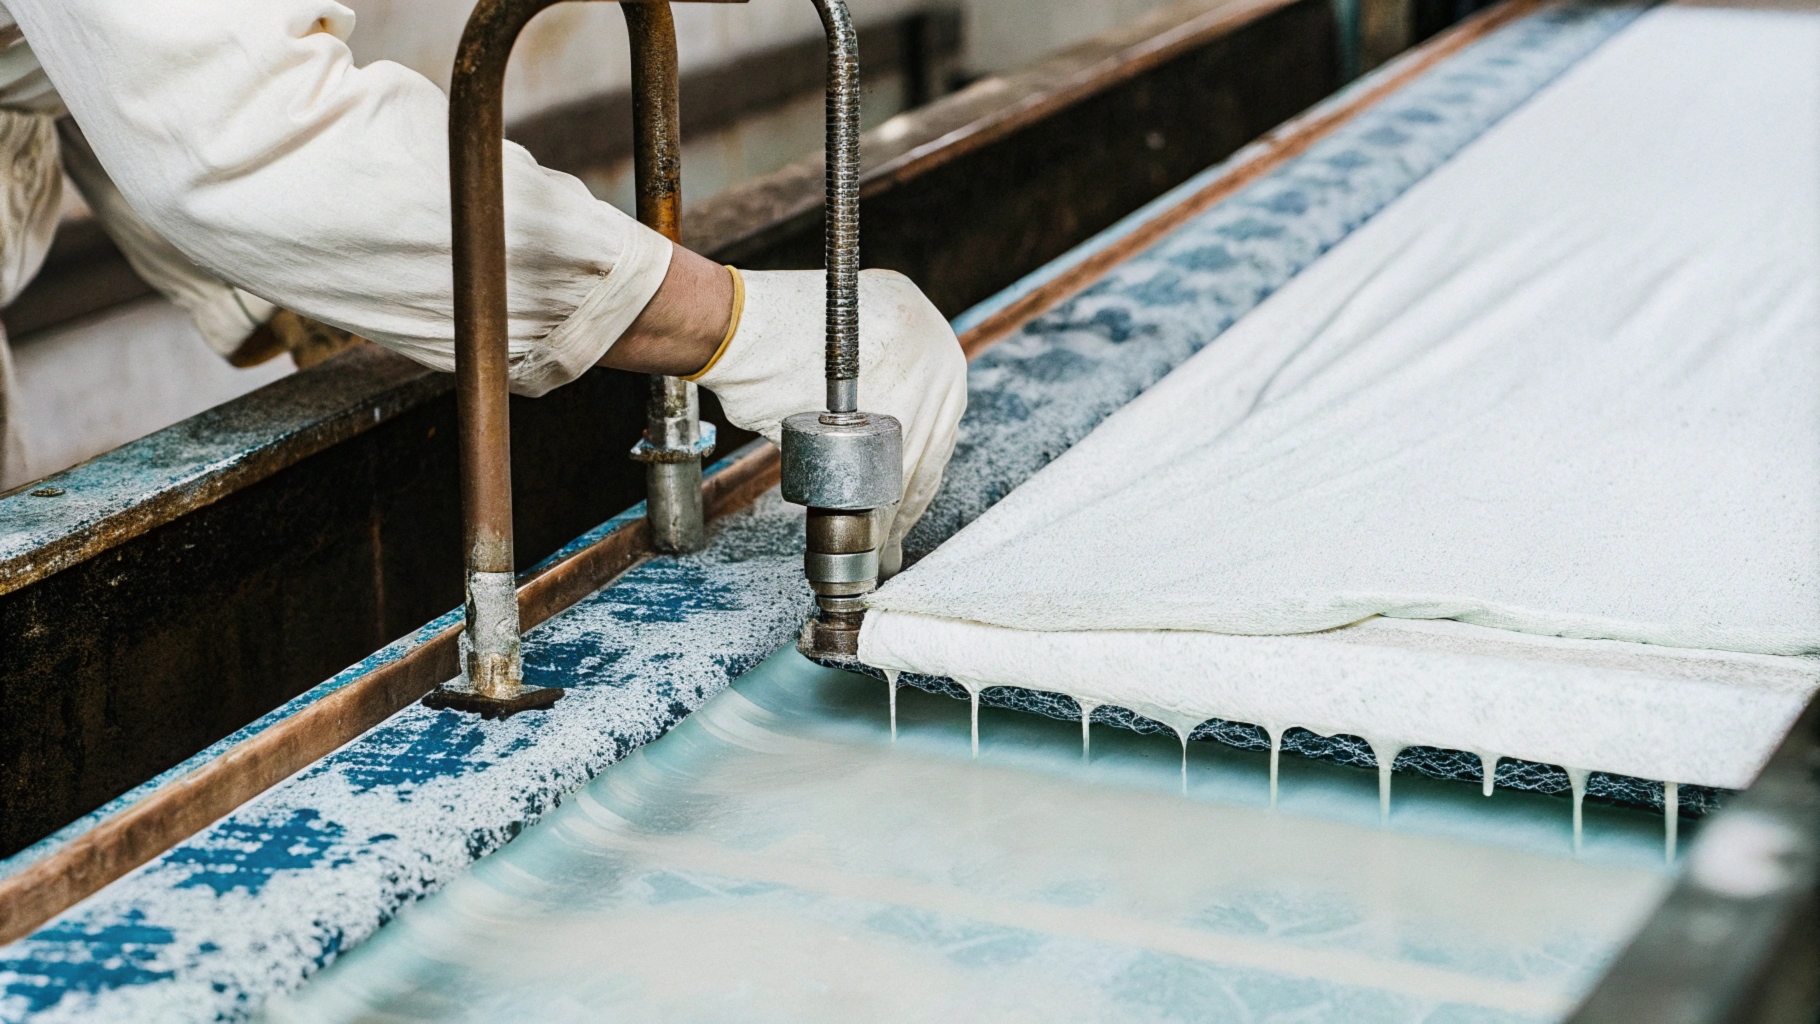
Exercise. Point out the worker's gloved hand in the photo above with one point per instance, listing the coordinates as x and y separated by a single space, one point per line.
911 367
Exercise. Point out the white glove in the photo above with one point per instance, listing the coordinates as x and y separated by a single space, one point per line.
911 366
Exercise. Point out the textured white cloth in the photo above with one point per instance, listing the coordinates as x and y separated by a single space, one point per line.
31 186
241 131
223 314
1568 384
911 367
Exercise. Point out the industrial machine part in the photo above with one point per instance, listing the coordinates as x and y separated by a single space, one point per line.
676 441
492 677
844 464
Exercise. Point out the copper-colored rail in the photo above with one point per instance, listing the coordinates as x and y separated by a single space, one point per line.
182 808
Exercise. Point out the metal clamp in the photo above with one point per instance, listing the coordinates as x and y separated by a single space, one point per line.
492 680
645 451
843 464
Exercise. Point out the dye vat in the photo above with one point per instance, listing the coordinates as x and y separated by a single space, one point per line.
780 857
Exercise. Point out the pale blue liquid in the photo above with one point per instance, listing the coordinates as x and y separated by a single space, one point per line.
778 858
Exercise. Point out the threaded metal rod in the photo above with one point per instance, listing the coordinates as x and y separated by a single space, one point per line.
841 232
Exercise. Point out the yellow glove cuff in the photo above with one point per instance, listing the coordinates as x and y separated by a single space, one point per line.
739 307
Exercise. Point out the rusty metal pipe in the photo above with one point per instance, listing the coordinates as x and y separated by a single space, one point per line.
493 674
675 441
493 683
477 187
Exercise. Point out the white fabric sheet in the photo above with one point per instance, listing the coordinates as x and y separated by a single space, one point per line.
1567 385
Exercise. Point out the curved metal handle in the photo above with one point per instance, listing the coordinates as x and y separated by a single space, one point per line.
841 206
477 197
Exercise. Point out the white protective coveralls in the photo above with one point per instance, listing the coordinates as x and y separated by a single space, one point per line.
242 132
34 133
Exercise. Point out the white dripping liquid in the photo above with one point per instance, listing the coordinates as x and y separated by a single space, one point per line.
1576 777
1488 766
1183 725
973 699
1184 738
1671 818
891 685
1087 707
1386 753
1276 747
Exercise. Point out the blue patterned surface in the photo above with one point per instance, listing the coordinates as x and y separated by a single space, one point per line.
276 890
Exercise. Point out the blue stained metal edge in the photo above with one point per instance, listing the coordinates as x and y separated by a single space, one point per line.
1200 181
184 460
269 894
391 652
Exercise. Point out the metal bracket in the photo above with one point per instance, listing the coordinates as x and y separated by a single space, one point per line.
492 683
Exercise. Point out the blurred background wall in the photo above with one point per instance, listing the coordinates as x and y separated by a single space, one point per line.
751 70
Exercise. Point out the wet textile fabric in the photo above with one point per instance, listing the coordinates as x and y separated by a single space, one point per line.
1563 387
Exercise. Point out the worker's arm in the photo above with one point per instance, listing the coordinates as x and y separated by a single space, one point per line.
242 132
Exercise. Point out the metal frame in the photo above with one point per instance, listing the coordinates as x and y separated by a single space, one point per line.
492 679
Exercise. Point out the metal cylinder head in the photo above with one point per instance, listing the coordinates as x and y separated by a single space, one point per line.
851 466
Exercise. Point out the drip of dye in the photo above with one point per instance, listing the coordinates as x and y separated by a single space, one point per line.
1671 818
891 684
1276 748
973 699
1488 767
1183 736
1386 754
1577 778
1087 707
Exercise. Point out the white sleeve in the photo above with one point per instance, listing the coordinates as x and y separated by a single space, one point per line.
243 132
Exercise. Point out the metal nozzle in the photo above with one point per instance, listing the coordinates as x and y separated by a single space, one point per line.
843 463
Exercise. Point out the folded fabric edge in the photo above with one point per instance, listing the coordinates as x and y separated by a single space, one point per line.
1711 721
